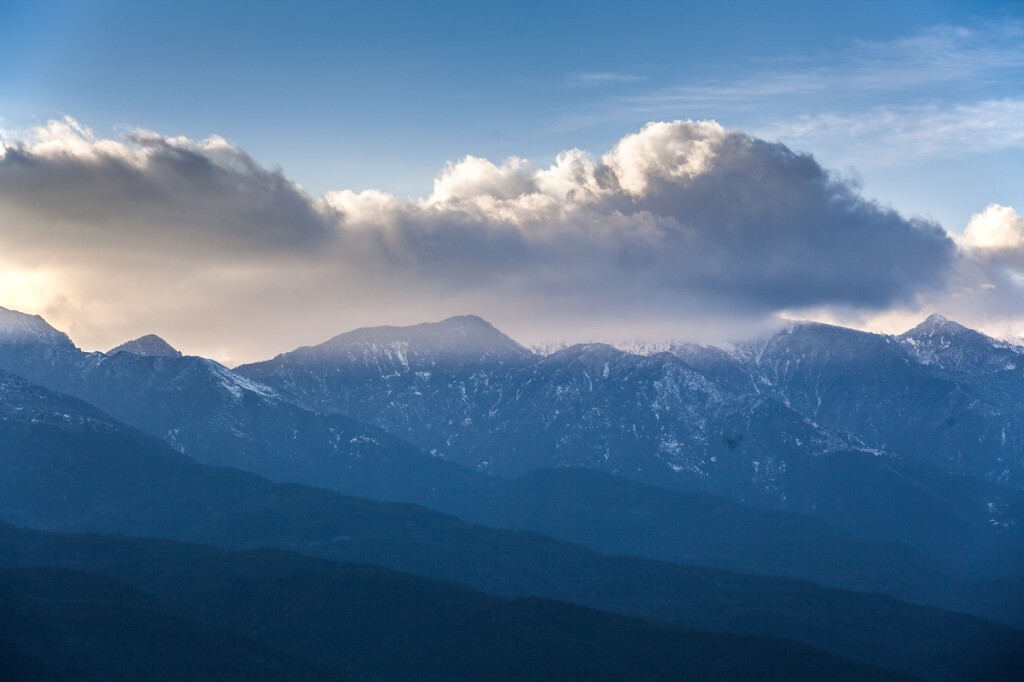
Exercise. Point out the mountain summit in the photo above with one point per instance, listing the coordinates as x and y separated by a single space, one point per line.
462 341
937 324
462 338
19 328
149 345
946 344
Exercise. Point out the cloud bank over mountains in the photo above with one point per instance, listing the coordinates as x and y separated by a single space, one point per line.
683 228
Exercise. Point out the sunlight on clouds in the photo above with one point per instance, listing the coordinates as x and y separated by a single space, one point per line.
573 178
997 228
680 225
664 150
367 208
69 138
986 289
517 191
26 290
474 177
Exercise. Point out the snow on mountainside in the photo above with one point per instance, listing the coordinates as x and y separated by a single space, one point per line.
220 417
644 413
395 363
649 417
847 427
834 423
955 348
941 393
1015 343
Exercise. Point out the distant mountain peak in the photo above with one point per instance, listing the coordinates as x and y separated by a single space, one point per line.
466 321
463 340
460 335
938 324
951 347
149 345
473 323
19 328
589 351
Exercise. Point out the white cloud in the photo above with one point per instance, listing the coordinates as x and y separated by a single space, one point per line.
473 177
990 274
681 225
596 78
892 135
151 190
664 151
997 229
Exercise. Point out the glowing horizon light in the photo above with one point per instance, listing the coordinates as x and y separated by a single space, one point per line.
27 291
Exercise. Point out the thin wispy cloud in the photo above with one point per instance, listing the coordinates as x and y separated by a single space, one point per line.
986 54
896 135
922 90
598 78
990 56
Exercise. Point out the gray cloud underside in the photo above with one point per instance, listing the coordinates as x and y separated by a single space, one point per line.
680 221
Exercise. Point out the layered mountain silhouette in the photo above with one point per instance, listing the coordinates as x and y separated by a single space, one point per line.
224 418
840 425
70 468
738 487
133 609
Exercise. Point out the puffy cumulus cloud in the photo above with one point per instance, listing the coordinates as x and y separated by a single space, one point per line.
475 177
988 289
664 152
681 225
685 210
992 260
997 230
59 183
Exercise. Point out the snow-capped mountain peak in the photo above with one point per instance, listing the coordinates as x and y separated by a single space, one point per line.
466 335
936 324
149 345
19 328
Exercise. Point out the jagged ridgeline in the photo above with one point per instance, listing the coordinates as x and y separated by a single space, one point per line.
779 469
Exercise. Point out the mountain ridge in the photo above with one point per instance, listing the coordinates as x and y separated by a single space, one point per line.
773 432
83 479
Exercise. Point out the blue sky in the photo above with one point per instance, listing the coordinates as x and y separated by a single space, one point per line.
917 104
381 94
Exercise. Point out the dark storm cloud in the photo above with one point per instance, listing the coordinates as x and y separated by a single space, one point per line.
772 229
150 190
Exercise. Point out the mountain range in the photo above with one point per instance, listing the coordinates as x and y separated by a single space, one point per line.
794 477
844 426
